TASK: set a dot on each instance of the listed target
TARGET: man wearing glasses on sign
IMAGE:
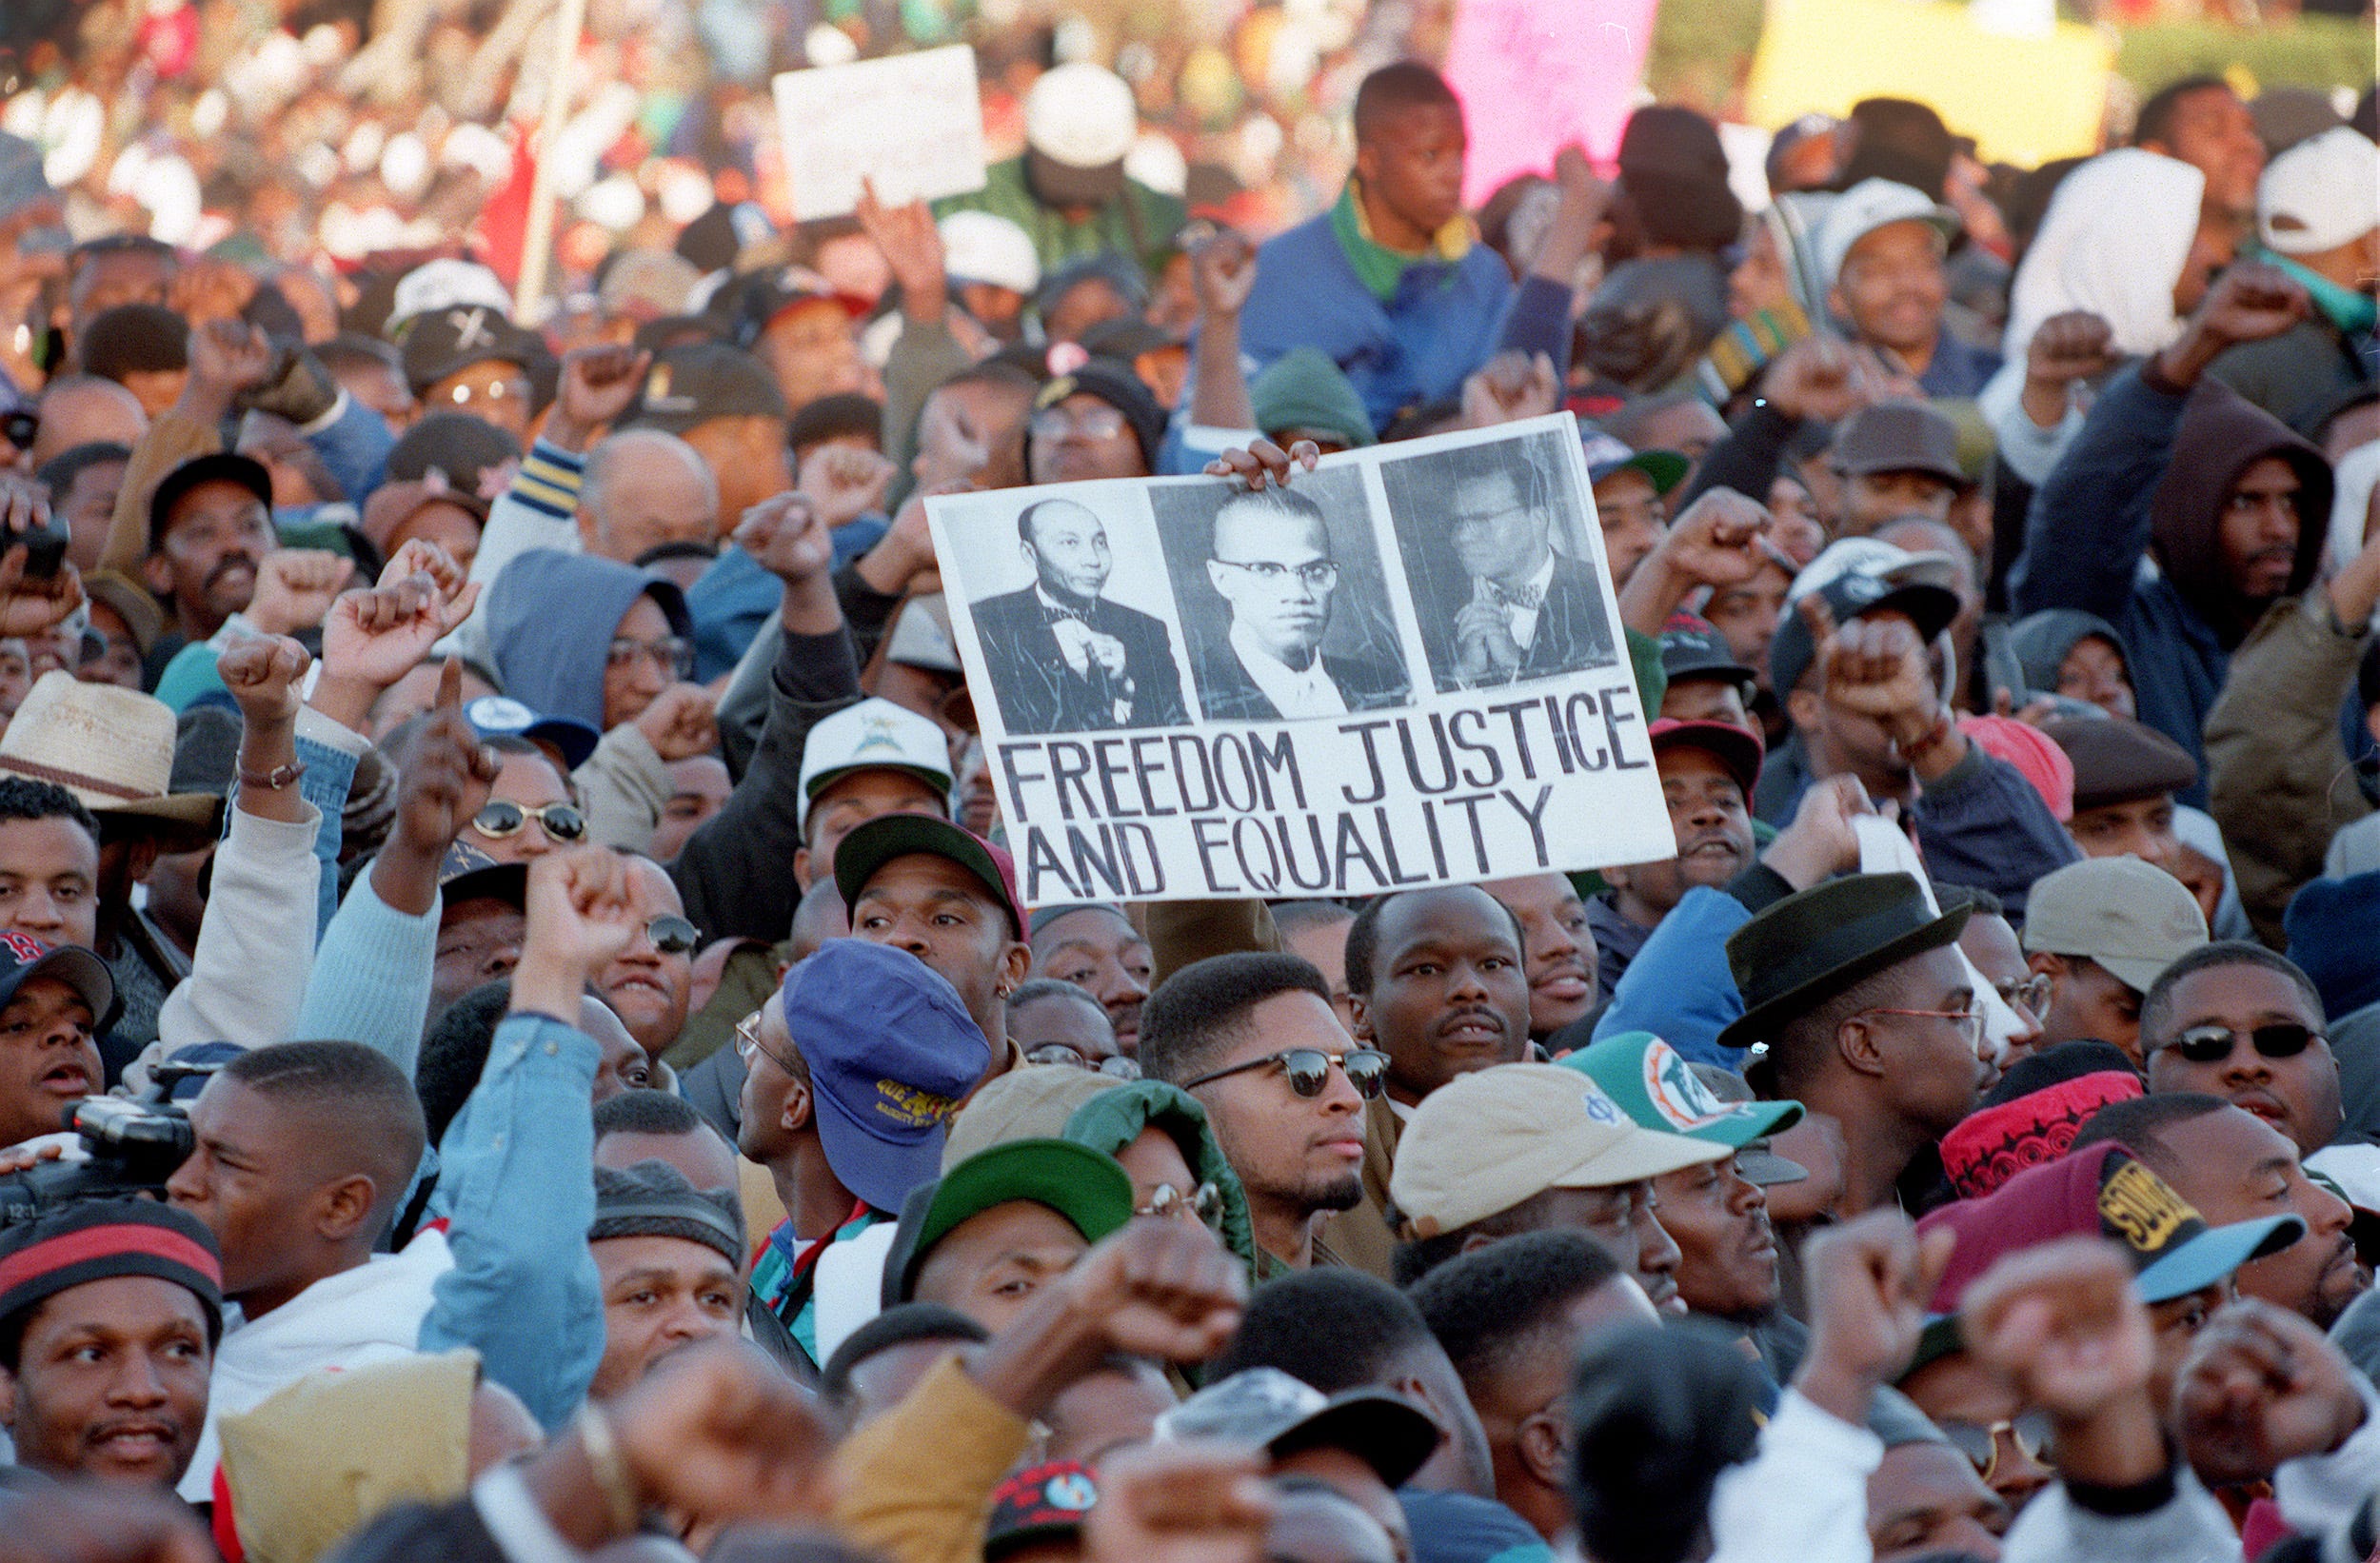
(1271, 562)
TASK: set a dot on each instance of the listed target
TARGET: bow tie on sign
(1527, 599)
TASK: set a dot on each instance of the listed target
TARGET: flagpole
(538, 241)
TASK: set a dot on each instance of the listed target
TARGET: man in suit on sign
(1512, 609)
(1060, 656)
(1271, 562)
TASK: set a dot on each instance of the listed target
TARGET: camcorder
(132, 1145)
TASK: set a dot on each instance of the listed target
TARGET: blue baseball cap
(891, 1050)
(501, 716)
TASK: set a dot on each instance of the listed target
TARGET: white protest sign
(910, 123)
(1405, 671)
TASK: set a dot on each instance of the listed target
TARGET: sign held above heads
(910, 123)
(1407, 668)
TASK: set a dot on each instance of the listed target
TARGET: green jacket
(1114, 1119)
(1141, 223)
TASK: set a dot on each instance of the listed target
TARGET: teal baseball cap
(1658, 1089)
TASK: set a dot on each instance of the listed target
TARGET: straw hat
(112, 748)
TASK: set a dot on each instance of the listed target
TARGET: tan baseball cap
(2130, 917)
(1486, 1141)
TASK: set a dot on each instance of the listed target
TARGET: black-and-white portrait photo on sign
(1284, 608)
(1077, 638)
(1499, 551)
(1190, 689)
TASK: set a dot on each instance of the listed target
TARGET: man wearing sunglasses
(649, 984)
(1254, 1038)
(2235, 1020)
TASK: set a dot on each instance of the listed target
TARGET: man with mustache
(1708, 770)
(107, 1332)
(1438, 981)
(2234, 1166)
(2229, 504)
(210, 526)
(2234, 1020)
(1271, 562)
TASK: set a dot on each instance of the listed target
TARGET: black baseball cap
(704, 380)
(1116, 384)
(467, 874)
(221, 466)
(23, 958)
(1692, 647)
(448, 341)
(1856, 595)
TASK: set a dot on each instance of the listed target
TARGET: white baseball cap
(986, 248)
(1486, 1141)
(1868, 206)
(1081, 115)
(2319, 194)
(448, 285)
(873, 735)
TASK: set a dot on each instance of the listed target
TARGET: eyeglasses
(1206, 1203)
(2028, 1432)
(1115, 1065)
(672, 933)
(1309, 1070)
(1317, 575)
(673, 655)
(1969, 1021)
(1100, 423)
(496, 390)
(2212, 1044)
(2031, 994)
(748, 1043)
(501, 819)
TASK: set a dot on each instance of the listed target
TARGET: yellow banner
(2025, 100)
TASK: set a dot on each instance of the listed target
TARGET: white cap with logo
(873, 735)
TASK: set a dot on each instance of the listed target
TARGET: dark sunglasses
(1309, 1070)
(500, 818)
(672, 933)
(2212, 1044)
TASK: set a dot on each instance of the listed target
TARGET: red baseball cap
(1737, 751)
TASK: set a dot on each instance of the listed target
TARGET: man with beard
(1438, 979)
(210, 525)
(1252, 1038)
(2234, 1166)
(1708, 771)
(2231, 506)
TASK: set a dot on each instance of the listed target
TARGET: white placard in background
(910, 123)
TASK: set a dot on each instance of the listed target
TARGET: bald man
(79, 409)
(643, 488)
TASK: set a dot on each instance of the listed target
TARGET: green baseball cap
(1657, 1088)
(1091, 1191)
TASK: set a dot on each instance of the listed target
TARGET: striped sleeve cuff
(548, 480)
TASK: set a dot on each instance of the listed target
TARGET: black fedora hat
(1811, 946)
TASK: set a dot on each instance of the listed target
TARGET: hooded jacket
(2041, 642)
(2127, 527)
(1114, 1119)
(551, 617)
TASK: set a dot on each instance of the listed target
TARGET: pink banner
(1535, 75)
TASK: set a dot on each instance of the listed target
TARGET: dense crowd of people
(519, 1038)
